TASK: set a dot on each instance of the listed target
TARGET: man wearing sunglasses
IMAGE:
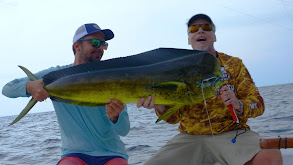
(89, 135)
(208, 133)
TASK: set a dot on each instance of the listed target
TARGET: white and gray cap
(91, 28)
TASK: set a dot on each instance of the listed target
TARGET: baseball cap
(91, 28)
(200, 16)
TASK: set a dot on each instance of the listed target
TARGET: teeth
(201, 39)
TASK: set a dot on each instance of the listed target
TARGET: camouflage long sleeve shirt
(194, 119)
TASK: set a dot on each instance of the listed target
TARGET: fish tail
(31, 103)
(29, 74)
(28, 107)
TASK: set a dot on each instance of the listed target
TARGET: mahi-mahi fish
(174, 77)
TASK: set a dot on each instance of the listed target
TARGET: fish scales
(175, 81)
(172, 76)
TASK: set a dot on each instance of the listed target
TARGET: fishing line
(204, 100)
(286, 9)
(237, 123)
(263, 20)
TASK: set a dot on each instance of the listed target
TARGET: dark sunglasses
(97, 43)
(205, 27)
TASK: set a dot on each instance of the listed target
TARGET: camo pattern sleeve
(215, 117)
(248, 94)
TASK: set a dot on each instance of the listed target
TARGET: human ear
(189, 38)
(215, 38)
(189, 43)
(76, 46)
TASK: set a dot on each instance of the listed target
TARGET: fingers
(40, 94)
(224, 88)
(152, 104)
(228, 97)
(148, 103)
(116, 104)
(140, 103)
(36, 89)
(113, 109)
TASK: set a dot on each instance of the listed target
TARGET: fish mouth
(218, 83)
(213, 81)
(218, 78)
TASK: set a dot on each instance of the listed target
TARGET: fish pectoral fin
(169, 112)
(171, 85)
(28, 107)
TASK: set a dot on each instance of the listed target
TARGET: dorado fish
(174, 77)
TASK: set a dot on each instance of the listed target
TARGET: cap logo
(96, 26)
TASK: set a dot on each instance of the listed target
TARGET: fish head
(213, 82)
(205, 88)
(218, 83)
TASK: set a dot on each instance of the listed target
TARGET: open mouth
(201, 39)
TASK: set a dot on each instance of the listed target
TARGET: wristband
(240, 111)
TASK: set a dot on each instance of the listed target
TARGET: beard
(92, 56)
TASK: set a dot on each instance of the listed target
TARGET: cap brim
(108, 34)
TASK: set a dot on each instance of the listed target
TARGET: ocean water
(36, 138)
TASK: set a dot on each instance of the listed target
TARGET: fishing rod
(236, 120)
(276, 143)
(265, 143)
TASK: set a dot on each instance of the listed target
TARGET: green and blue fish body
(179, 80)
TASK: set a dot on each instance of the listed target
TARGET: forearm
(122, 126)
(16, 88)
(253, 107)
(248, 94)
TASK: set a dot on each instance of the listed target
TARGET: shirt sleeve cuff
(240, 111)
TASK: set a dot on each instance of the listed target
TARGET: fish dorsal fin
(142, 59)
(68, 101)
(171, 85)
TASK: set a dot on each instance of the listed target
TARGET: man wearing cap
(88, 136)
(208, 133)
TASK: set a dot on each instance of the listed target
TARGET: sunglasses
(97, 43)
(205, 27)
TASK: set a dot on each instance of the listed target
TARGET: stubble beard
(89, 57)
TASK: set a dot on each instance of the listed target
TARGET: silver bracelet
(240, 112)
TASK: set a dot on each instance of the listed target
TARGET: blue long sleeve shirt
(85, 130)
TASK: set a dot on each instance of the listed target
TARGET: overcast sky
(38, 34)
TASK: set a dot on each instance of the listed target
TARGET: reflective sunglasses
(97, 43)
(205, 27)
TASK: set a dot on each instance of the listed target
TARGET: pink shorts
(82, 159)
